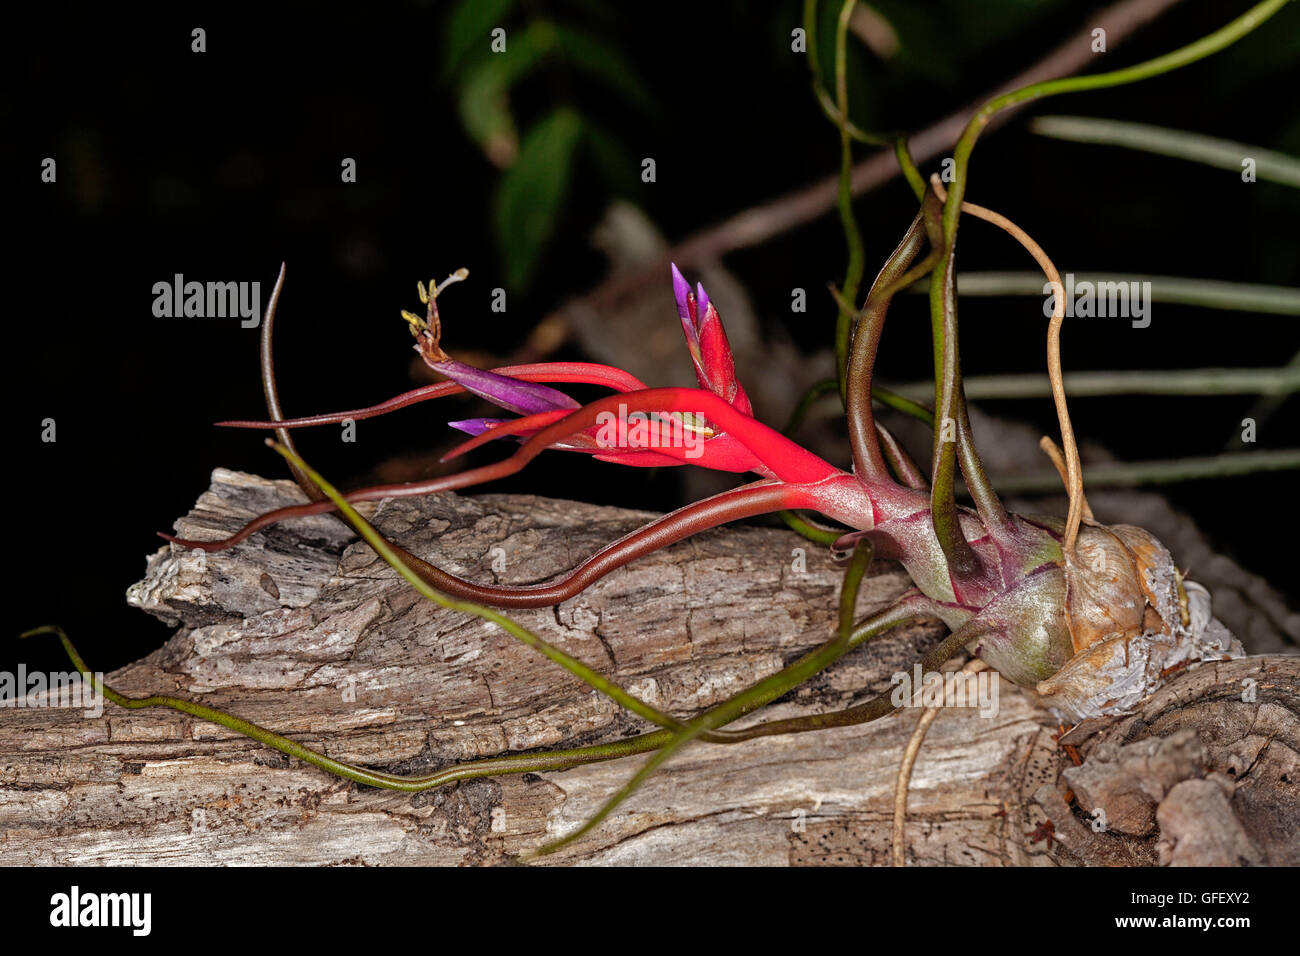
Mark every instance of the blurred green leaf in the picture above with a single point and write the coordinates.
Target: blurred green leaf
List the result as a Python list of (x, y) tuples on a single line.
[(926, 47), (614, 162), (1272, 166), (469, 24), (598, 10), (981, 25), (601, 61), (936, 44), (532, 193), (484, 102)]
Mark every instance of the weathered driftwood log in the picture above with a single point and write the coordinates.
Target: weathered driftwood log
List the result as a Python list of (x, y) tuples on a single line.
[(305, 631)]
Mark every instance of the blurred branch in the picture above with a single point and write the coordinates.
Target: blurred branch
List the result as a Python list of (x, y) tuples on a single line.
[(762, 222)]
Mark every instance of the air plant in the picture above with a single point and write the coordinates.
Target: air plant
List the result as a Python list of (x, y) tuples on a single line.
[(1089, 616)]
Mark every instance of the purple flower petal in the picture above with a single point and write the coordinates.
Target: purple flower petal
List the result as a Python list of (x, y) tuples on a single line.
[(476, 426), (703, 298), (681, 290), (512, 394)]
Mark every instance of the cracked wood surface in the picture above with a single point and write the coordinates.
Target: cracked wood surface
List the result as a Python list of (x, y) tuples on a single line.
[(305, 631)]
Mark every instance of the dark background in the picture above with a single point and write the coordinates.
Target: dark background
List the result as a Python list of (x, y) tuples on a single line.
[(223, 164)]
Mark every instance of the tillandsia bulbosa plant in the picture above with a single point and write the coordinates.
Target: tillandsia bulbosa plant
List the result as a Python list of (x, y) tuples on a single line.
[(1089, 616)]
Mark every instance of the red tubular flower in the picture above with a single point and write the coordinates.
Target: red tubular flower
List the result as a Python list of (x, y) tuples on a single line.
[(711, 426), (633, 436), (707, 340)]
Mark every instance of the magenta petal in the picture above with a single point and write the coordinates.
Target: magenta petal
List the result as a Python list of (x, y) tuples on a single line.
[(703, 298), (476, 426), (687, 309), (522, 398), (681, 291)]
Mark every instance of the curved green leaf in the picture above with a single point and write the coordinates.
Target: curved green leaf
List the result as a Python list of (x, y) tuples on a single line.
[(532, 193), (602, 62), (1270, 165), (484, 102), (469, 27)]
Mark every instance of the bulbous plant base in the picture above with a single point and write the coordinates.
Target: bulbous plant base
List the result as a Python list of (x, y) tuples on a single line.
[(1133, 620), (339, 655)]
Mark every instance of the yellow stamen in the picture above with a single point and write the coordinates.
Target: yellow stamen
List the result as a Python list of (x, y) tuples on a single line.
[(416, 322)]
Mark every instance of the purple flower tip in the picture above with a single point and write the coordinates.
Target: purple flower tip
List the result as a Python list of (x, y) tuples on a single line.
[(475, 426), (681, 289), (703, 298)]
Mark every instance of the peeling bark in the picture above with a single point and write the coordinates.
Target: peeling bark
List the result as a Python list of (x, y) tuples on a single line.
[(305, 631)]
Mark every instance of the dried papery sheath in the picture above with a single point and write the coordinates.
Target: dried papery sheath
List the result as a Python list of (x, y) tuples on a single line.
[(1153, 628)]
